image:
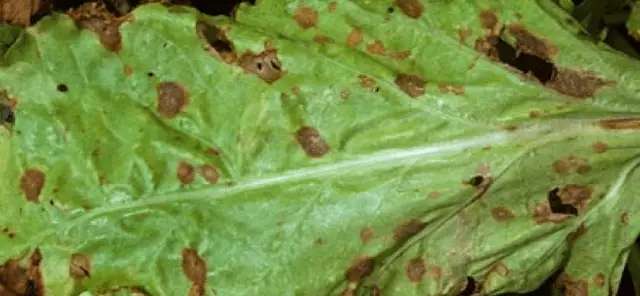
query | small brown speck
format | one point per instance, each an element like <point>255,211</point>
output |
<point>312,142</point>
<point>366,234</point>
<point>600,147</point>
<point>366,81</point>
<point>128,71</point>
<point>172,99</point>
<point>416,270</point>
<point>321,39</point>
<point>561,166</point>
<point>583,169</point>
<point>410,84</point>
<point>306,17</point>
<point>213,152</point>
<point>463,34</point>
<point>534,113</point>
<point>319,241</point>
<point>360,269</point>
<point>210,173</point>
<point>408,229</point>
<point>502,214</point>
<point>80,266</point>
<point>435,194</point>
<point>599,280</point>
<point>31,184</point>
<point>376,47</point>
<point>332,6</point>
<point>411,8</point>
<point>624,218</point>
<point>265,65</point>
<point>435,272</point>
<point>354,38</point>
<point>185,172</point>
<point>345,93</point>
<point>194,267</point>
<point>488,19</point>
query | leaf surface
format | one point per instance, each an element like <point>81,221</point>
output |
<point>320,148</point>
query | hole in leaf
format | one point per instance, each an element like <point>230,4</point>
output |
<point>556,205</point>
<point>62,87</point>
<point>6,114</point>
<point>541,69</point>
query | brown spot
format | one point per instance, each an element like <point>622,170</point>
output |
<point>345,93</point>
<point>410,84</point>
<point>194,267</point>
<point>196,290</point>
<point>498,268</point>
<point>319,241</point>
<point>572,287</point>
<point>416,270</point>
<point>366,234</point>
<point>19,12</point>
<point>13,278</point>
<point>488,19</point>
<point>399,55</point>
<point>434,194</point>
<point>463,34</point>
<point>621,124</point>
<point>321,39</point>
<point>502,214</point>
<point>599,280</point>
<point>348,292</point>
<point>534,113</point>
<point>447,88</point>
<point>354,38</point>
<point>185,172</point>
<point>583,169</point>
<point>306,17</point>
<point>624,218</point>
<point>408,229</point>
<point>361,268</point>
<point>561,166</point>
<point>80,266</point>
<point>210,173</point>
<point>600,147</point>
<point>128,71</point>
<point>435,272</point>
<point>31,184</point>
<point>295,90</point>
<point>528,43</point>
<point>95,17</point>
<point>217,41</point>
<point>213,152</point>
<point>265,65</point>
<point>575,195</point>
<point>172,99</point>
<point>332,6</point>
<point>577,84</point>
<point>375,290</point>
<point>574,235</point>
<point>376,47</point>
<point>411,8</point>
<point>366,81</point>
<point>311,142</point>
<point>16,280</point>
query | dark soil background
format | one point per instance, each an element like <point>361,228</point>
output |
<point>24,12</point>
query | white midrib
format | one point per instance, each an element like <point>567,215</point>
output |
<point>380,160</point>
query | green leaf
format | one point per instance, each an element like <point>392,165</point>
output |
<point>633,24</point>
<point>319,148</point>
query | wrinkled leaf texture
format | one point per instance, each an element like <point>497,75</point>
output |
<point>279,222</point>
